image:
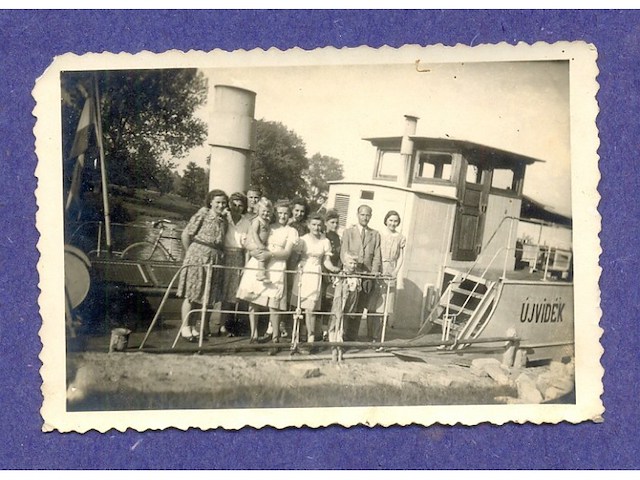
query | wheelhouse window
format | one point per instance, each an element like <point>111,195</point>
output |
<point>503,179</point>
<point>474,174</point>
<point>390,165</point>
<point>508,180</point>
<point>433,165</point>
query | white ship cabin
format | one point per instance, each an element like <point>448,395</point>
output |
<point>459,203</point>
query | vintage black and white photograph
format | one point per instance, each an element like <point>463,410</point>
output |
<point>298,238</point>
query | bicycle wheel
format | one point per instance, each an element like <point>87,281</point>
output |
<point>145,251</point>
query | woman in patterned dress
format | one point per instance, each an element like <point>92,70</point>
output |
<point>315,253</point>
<point>203,240</point>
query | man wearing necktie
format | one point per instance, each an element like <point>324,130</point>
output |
<point>363,243</point>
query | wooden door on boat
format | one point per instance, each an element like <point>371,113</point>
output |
<point>473,194</point>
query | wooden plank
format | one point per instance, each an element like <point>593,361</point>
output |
<point>325,356</point>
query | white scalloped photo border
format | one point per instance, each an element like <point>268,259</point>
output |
<point>585,176</point>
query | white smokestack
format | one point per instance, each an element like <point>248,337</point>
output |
<point>232,138</point>
<point>406,148</point>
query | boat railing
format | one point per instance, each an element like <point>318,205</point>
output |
<point>382,282</point>
<point>449,318</point>
<point>209,307</point>
<point>545,257</point>
<point>549,259</point>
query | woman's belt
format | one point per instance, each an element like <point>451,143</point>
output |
<point>233,250</point>
<point>206,244</point>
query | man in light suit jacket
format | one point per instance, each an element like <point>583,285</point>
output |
<point>363,243</point>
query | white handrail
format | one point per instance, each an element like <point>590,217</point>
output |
<point>205,309</point>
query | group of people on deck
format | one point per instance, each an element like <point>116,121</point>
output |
<point>278,257</point>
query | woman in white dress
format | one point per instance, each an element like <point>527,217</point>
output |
<point>271,295</point>
<point>315,252</point>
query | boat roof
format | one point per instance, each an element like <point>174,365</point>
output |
<point>496,156</point>
<point>534,210</point>
<point>386,185</point>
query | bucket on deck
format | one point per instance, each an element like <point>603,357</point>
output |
<point>119,340</point>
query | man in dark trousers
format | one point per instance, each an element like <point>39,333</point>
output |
<point>363,243</point>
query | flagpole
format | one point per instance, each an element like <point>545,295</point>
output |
<point>78,149</point>
<point>103,166</point>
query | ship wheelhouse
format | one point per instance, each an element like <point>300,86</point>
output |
<point>475,175</point>
<point>459,202</point>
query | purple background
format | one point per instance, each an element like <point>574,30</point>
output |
<point>30,39</point>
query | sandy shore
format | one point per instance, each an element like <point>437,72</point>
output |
<point>134,381</point>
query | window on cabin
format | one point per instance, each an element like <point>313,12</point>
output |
<point>503,179</point>
<point>434,165</point>
<point>367,194</point>
<point>474,174</point>
<point>390,165</point>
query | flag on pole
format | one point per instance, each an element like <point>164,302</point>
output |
<point>81,141</point>
<point>80,146</point>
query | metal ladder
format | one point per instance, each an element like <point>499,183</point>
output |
<point>464,306</point>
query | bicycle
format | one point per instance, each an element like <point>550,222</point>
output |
<point>152,251</point>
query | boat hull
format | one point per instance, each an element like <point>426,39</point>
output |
<point>539,313</point>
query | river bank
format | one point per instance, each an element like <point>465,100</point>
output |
<point>142,381</point>
<point>139,381</point>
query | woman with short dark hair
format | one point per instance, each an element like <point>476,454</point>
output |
<point>234,259</point>
<point>331,224</point>
<point>315,253</point>
<point>203,240</point>
<point>392,244</point>
<point>299,211</point>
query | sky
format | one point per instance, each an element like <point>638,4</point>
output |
<point>521,107</point>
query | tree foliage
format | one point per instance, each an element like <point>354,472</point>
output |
<point>322,169</point>
<point>279,161</point>
<point>147,119</point>
<point>194,183</point>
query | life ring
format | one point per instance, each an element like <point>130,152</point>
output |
<point>76,275</point>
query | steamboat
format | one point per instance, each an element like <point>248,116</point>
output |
<point>487,270</point>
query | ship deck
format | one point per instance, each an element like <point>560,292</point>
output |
<point>162,336</point>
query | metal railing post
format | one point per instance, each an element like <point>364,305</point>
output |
<point>297,316</point>
<point>99,238</point>
<point>506,252</point>
<point>447,316</point>
<point>207,288</point>
<point>546,264</point>
<point>160,307</point>
<point>385,311</point>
